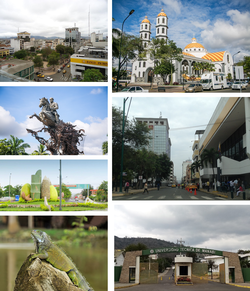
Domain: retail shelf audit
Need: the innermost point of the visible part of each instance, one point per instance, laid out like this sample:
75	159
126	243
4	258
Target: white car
48	79
134	89
238	84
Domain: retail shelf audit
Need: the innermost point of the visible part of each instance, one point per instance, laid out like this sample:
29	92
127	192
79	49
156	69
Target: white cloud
229	34
96	91
96	133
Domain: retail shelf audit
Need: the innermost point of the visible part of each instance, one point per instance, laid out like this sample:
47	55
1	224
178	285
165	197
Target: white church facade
142	69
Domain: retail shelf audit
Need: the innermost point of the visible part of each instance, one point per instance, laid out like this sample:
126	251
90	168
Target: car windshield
191	85
204	81
125	89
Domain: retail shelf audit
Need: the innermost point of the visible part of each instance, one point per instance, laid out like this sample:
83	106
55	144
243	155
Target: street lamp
119	65
9	184
123	126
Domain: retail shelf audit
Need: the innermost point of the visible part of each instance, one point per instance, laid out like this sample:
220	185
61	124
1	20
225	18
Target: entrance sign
182	249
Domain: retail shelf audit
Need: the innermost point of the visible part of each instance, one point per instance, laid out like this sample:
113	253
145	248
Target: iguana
47	250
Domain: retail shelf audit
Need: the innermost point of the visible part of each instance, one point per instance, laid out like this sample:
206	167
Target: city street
167	193
57	77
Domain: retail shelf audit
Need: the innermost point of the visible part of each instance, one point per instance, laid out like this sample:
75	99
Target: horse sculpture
46	116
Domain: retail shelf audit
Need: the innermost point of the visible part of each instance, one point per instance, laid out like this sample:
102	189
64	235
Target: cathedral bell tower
162	26
145	32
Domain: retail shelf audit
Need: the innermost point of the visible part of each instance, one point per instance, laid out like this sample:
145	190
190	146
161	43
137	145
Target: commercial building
89	58
228	131
185	164
159	135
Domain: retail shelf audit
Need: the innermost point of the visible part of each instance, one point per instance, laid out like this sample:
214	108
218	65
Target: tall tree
17	146
210	156
40	151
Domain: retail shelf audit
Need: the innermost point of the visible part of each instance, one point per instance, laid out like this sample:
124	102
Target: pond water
91	261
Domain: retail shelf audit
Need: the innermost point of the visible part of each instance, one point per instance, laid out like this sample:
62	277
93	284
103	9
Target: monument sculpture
64	138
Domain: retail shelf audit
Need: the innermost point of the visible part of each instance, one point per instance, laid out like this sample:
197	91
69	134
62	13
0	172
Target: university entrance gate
132	261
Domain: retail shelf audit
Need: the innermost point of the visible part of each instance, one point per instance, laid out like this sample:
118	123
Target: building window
144	64
139	74
145	35
135	68
139	64
157	30
158	20
146	27
162	30
163	20
141	26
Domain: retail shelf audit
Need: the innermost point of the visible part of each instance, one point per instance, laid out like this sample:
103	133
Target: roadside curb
121	287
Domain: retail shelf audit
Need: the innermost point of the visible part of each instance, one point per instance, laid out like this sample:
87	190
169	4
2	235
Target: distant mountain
151	243
44	37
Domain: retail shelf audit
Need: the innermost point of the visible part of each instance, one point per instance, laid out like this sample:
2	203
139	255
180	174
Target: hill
151	243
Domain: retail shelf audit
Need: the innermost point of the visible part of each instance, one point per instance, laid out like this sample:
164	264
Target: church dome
162	13
145	20
194	44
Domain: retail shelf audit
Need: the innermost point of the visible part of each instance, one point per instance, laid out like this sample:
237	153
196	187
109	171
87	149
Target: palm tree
211	265
195	167
17	146
41	151
210	157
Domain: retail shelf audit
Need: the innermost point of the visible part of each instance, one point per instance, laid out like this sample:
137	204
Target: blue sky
217	24
84	106
73	171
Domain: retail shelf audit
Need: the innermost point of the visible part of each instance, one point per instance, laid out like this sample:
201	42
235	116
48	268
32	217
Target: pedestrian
145	187
231	183
207	186
126	186
235	184
239	190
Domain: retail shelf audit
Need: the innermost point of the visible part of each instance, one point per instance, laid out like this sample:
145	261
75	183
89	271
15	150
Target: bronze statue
64	138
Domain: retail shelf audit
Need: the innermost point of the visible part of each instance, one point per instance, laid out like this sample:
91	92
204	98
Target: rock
37	275
45	188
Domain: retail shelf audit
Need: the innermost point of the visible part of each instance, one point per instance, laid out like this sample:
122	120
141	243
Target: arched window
158	20
144	64
142	26
146	35
157	30
139	74
146	27
163	30
163	20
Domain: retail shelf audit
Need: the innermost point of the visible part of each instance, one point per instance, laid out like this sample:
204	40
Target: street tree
163	167
22	54
195	167
4	147
46	52
60	49
38	62
211	266
67	193
164	68
53	59
92	75
135	137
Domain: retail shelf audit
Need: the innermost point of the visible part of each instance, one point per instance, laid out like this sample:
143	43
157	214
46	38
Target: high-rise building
159	133
72	35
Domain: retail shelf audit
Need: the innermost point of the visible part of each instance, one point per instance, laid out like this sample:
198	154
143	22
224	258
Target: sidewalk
133	191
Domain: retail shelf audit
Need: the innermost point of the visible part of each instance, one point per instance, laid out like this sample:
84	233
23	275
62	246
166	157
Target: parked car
239	84
68	66
59	70
64	71
134	89
229	84
197	87
48	79
40	75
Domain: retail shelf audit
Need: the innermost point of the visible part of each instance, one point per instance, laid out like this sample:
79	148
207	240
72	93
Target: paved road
169	194
57	77
166	283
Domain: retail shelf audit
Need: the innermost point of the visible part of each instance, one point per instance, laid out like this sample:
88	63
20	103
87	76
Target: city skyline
185	115
50	18
217	25
85	107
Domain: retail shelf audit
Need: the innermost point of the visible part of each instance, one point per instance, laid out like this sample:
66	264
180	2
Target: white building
15	43
142	69
229	132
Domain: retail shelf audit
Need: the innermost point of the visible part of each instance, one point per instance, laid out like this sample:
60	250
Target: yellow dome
162	13
194	44
145	20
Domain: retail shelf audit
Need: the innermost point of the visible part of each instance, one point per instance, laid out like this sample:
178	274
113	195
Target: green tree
10	190
40	151
17	146
4	147
163	167
69	50
135	136
65	190
60	49
246	65
46	52
105	147
101	195
163	68
92	75
22	54
104	186
166	50
38	62
136	247
53	59
195	167
1	193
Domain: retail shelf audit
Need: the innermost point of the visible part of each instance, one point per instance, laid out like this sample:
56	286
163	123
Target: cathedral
142	69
